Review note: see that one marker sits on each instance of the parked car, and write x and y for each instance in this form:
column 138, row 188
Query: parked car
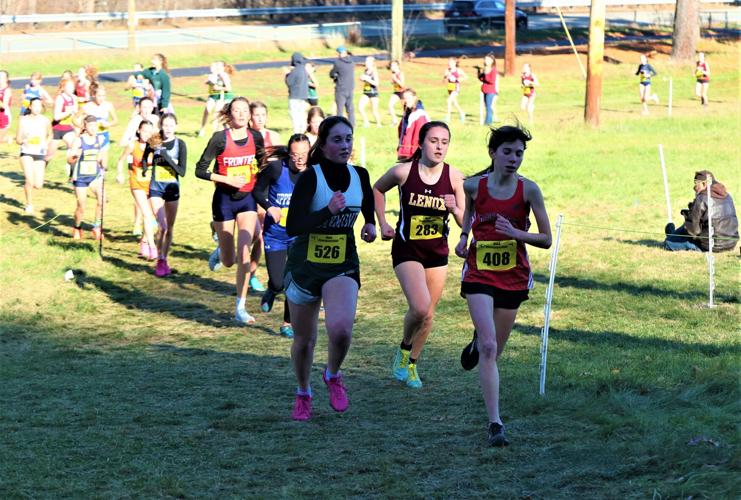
column 479, row 14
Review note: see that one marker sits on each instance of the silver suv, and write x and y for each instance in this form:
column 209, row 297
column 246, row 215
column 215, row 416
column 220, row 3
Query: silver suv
column 479, row 14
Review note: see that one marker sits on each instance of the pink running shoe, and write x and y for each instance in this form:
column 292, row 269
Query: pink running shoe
column 144, row 249
column 301, row 408
column 153, row 253
column 337, row 392
column 160, row 270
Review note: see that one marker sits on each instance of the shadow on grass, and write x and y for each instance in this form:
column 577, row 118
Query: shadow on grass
column 185, row 251
column 134, row 297
column 10, row 201
column 19, row 179
column 181, row 279
column 61, row 227
column 564, row 281
column 19, row 219
column 622, row 340
column 643, row 243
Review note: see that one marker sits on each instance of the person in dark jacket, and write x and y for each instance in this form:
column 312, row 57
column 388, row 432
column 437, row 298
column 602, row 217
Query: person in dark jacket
column 297, row 81
column 693, row 234
column 343, row 74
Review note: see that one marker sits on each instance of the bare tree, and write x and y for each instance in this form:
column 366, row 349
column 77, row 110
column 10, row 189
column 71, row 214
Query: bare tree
column 686, row 30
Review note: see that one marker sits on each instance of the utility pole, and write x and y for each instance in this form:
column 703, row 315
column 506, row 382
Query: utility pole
column 595, row 59
column 131, row 22
column 509, row 37
column 397, row 30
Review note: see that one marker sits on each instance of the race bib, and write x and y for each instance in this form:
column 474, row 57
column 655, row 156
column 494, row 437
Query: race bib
column 88, row 168
column 426, row 227
column 34, row 141
column 164, row 174
column 327, row 248
column 452, row 86
column 89, row 163
column 283, row 216
column 496, row 255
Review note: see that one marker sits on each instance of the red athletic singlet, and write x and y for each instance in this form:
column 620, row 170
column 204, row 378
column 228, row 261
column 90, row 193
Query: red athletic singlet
column 238, row 160
column 267, row 138
column 5, row 115
column 422, row 229
column 65, row 123
column 493, row 258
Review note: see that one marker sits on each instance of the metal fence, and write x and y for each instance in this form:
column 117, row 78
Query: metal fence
column 270, row 11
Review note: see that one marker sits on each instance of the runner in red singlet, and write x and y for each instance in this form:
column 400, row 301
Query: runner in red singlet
column 496, row 274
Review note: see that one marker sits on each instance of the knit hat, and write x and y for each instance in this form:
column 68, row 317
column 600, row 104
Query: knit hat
column 702, row 175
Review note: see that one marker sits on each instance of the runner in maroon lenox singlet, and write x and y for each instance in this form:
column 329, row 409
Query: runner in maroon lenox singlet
column 497, row 275
column 429, row 190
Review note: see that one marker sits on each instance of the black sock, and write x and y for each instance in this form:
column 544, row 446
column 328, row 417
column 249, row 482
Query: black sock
column 412, row 360
column 78, row 227
column 405, row 347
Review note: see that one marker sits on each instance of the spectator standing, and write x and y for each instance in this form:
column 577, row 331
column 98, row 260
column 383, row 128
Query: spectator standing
column 343, row 74
column 297, row 81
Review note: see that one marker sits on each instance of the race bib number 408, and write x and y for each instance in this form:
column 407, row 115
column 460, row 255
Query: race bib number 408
column 496, row 255
column 327, row 248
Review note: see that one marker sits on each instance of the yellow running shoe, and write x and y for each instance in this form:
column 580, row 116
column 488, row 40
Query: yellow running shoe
column 413, row 379
column 401, row 362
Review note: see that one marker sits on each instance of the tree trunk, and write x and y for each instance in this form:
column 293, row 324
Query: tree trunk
column 593, row 96
column 686, row 30
column 397, row 30
column 509, row 37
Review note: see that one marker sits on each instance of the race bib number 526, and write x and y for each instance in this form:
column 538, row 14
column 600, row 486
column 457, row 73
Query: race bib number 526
column 496, row 255
column 327, row 248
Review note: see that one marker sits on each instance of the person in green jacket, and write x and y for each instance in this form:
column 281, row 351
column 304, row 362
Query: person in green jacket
column 159, row 76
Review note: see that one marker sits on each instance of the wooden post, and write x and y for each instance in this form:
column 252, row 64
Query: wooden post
column 509, row 37
column 397, row 30
column 131, row 23
column 595, row 58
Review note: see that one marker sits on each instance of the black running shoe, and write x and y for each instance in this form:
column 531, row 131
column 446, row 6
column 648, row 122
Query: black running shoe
column 495, row 435
column 470, row 354
column 266, row 302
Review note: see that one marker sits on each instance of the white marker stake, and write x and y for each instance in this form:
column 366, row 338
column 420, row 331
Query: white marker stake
column 711, row 257
column 362, row 153
column 671, row 94
column 547, row 310
column 666, row 184
column 481, row 108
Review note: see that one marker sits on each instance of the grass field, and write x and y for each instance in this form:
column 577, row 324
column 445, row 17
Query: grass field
column 121, row 384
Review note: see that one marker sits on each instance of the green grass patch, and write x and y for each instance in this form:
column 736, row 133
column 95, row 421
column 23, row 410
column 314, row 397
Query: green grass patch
column 120, row 384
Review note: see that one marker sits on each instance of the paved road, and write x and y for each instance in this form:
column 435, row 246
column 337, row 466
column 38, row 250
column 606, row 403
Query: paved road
column 46, row 42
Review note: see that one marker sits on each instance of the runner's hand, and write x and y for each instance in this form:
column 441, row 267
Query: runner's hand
column 237, row 182
column 336, row 203
column 504, row 226
column 368, row 233
column 450, row 202
column 461, row 249
column 387, row 231
column 275, row 214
